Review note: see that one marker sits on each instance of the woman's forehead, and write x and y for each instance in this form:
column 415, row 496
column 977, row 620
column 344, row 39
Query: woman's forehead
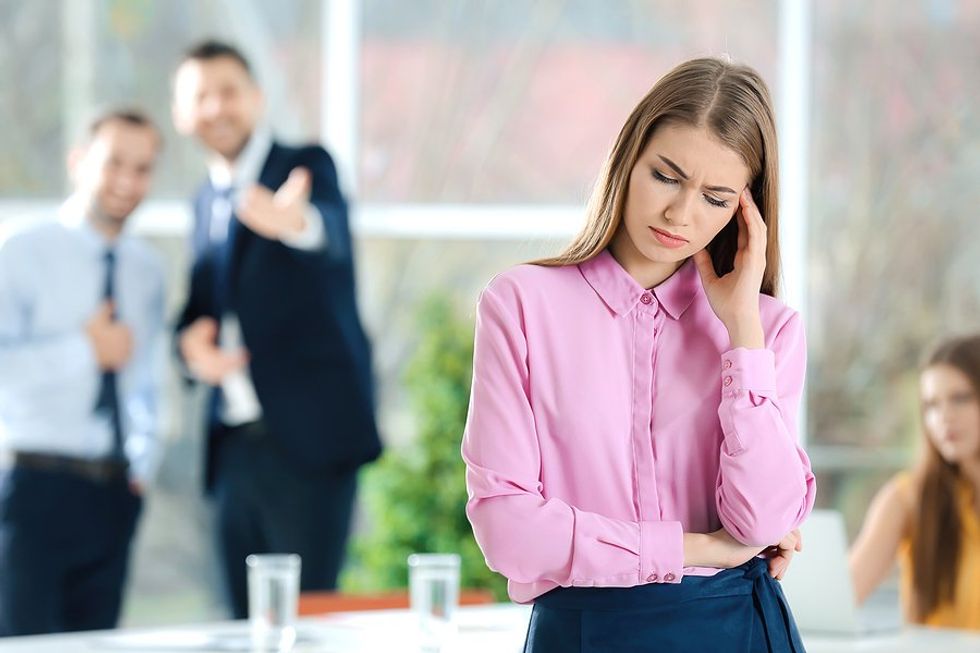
column 943, row 378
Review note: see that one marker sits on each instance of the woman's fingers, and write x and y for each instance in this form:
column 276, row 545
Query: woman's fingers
column 743, row 228
column 781, row 554
column 756, row 226
column 779, row 562
column 788, row 541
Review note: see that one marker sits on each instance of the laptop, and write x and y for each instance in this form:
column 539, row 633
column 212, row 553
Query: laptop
column 818, row 585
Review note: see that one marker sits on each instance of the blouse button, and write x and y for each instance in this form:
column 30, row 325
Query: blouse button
column 669, row 577
column 728, row 381
column 727, row 365
column 652, row 578
column 646, row 298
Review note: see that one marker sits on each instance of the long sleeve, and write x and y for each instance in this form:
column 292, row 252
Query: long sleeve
column 765, row 485
column 327, row 236
column 27, row 359
column 143, row 445
column 523, row 535
column 199, row 303
column 312, row 237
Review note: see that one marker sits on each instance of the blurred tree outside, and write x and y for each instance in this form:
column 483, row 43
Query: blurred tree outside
column 415, row 496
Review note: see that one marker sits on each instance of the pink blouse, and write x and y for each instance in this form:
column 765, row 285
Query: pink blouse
column 607, row 420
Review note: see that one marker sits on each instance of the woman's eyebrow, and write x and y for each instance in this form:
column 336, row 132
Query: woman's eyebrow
column 683, row 175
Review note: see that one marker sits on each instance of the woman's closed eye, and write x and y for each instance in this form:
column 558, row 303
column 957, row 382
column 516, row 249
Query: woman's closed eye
column 963, row 398
column 659, row 176
column 713, row 201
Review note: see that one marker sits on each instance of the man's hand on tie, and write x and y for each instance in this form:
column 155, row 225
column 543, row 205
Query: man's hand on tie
column 111, row 340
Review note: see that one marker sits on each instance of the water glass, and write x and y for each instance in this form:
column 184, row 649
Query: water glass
column 433, row 581
column 273, row 592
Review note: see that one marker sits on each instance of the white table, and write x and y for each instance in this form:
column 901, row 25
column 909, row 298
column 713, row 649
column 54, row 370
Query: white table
column 491, row 629
column 496, row 629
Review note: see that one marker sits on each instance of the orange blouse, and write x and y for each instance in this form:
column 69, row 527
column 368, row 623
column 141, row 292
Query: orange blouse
column 964, row 610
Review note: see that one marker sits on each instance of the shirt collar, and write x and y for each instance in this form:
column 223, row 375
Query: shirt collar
column 248, row 165
column 71, row 215
column 622, row 293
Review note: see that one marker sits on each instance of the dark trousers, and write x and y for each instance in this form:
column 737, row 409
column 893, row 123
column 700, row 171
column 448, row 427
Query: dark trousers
column 265, row 505
column 740, row 610
column 64, row 551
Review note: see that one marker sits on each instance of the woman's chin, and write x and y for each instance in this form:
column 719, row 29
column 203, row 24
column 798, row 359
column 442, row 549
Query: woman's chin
column 663, row 255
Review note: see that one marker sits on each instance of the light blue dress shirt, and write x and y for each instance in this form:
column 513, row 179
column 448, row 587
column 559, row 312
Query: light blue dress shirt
column 52, row 279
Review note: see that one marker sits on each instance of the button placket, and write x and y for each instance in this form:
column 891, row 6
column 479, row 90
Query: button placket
column 645, row 472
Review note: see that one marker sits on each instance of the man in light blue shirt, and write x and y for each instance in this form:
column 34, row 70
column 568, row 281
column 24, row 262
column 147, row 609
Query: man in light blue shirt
column 81, row 329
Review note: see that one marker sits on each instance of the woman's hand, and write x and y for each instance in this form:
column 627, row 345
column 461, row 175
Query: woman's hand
column 734, row 297
column 781, row 553
column 717, row 549
column 722, row 551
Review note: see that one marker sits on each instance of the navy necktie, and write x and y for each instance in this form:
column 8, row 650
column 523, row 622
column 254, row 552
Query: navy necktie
column 108, row 402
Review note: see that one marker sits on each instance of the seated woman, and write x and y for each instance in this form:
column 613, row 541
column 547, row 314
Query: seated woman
column 929, row 518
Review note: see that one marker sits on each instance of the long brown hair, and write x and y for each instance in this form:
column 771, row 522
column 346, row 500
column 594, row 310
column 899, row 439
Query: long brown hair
column 733, row 103
column 935, row 537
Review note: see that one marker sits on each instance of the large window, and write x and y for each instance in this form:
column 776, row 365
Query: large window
column 895, row 158
column 62, row 60
column 518, row 103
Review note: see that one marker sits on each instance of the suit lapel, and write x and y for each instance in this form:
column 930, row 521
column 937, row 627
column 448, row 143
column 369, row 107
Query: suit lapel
column 240, row 237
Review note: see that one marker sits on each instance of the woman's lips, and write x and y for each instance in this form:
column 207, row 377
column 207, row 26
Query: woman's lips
column 668, row 239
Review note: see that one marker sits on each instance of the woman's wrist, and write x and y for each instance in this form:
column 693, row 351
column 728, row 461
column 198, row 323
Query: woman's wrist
column 746, row 331
column 696, row 550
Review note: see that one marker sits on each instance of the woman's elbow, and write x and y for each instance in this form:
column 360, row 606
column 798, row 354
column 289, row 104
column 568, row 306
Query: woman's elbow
column 762, row 527
column 508, row 543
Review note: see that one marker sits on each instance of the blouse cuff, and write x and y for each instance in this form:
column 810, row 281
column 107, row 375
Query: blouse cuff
column 748, row 370
column 312, row 236
column 661, row 552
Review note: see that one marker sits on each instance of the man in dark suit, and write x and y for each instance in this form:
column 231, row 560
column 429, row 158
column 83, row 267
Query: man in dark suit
column 271, row 323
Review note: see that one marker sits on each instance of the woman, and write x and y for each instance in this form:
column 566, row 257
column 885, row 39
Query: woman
column 632, row 422
column 928, row 518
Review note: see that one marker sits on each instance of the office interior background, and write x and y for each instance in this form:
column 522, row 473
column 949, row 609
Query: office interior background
column 468, row 134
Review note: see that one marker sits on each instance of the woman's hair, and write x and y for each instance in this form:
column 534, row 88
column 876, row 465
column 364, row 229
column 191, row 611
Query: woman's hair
column 733, row 103
column 936, row 531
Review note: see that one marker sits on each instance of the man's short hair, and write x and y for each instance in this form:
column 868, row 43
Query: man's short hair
column 125, row 115
column 214, row 49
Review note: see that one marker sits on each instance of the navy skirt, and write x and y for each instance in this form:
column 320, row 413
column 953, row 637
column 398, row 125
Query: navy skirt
column 740, row 610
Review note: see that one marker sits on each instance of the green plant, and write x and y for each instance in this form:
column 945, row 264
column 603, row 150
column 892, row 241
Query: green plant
column 415, row 496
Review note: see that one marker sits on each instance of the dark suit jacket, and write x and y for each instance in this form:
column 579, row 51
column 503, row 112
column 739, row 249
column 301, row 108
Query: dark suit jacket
column 309, row 357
